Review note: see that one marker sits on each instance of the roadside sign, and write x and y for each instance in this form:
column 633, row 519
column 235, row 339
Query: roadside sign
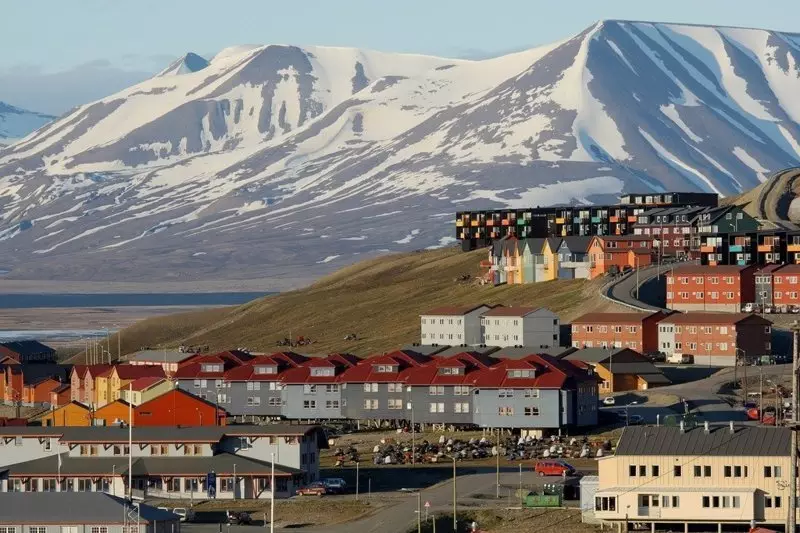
column 427, row 505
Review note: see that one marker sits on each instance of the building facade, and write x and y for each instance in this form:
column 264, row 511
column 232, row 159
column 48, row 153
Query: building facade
column 614, row 254
column 722, row 339
column 453, row 325
column 521, row 326
column 700, row 477
column 637, row 331
column 710, row 288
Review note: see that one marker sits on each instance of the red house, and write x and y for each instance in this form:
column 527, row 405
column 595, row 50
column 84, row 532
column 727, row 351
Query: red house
column 178, row 408
column 710, row 288
column 61, row 395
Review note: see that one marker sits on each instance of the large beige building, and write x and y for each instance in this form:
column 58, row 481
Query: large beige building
column 714, row 476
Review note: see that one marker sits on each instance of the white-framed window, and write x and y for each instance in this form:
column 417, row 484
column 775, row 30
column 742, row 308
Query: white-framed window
column 99, row 529
column 253, row 401
column 436, row 407
column 64, row 529
column 461, row 390
column 309, row 404
column 531, row 393
column 370, row 387
column 461, row 407
column 331, row 388
column 370, row 404
column 37, row 529
column 253, row 385
column 309, row 389
column 505, row 393
column 436, row 390
column 532, row 411
column 331, row 404
column 395, row 404
column 505, row 411
column 274, row 401
column 395, row 387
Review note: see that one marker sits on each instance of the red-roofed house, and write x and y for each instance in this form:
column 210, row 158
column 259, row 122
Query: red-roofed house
column 145, row 389
column 537, row 393
column 313, row 390
column 616, row 252
column 204, row 374
column 179, row 408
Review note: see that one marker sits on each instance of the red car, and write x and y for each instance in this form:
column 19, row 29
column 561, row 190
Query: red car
column 314, row 489
column 553, row 468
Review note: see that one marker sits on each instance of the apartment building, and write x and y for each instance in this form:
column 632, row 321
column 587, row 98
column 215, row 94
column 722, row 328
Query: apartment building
column 720, row 339
column 616, row 253
column 706, row 478
column 786, row 286
column 453, row 325
column 29, row 383
column 619, row 369
column 637, row 331
column 710, row 288
column 27, row 352
column 167, row 462
column 764, row 279
column 672, row 229
column 534, row 327
column 313, row 390
column 481, row 228
column 518, row 261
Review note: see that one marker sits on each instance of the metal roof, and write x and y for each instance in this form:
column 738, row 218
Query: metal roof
column 96, row 508
column 719, row 441
column 155, row 433
column 146, row 466
column 520, row 352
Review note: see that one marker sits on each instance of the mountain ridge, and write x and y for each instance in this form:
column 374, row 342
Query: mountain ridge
column 275, row 158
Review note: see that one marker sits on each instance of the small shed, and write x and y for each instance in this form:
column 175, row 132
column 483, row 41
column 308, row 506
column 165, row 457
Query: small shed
column 589, row 486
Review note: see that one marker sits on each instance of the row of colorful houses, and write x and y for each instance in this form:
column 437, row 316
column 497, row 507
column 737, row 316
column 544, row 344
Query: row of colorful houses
column 518, row 261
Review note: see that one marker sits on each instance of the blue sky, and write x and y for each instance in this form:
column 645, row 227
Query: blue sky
column 57, row 34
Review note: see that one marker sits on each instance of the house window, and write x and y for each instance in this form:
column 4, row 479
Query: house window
column 331, row 404
column 253, row 401
column 531, row 393
column 253, row 385
column 436, row 407
column 99, row 529
column 370, row 404
column 505, row 411
column 226, row 484
column 654, row 470
column 436, row 390
column 48, row 485
column 532, row 411
column 395, row 404
column 309, row 389
column 309, row 404
column 676, row 470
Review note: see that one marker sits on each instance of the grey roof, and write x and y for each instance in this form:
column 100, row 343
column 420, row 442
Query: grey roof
column 425, row 349
column 534, row 245
column 455, row 350
column 577, row 243
column 56, row 508
column 145, row 466
column 554, row 242
column 522, row 352
column 640, row 368
column 593, row 355
column 745, row 441
column 155, row 433
column 26, row 348
column 160, row 356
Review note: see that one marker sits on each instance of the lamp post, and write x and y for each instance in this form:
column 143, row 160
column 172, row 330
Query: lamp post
column 627, row 420
column 410, row 405
column 235, row 482
column 455, row 497
column 272, row 493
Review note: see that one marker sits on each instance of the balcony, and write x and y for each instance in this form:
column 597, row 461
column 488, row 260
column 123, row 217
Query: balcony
column 475, row 223
column 736, row 248
column 490, row 223
column 504, row 222
column 521, row 222
column 708, row 249
column 596, row 220
column 613, row 219
column 793, row 247
column 632, row 218
column 459, row 223
column 767, row 247
column 560, row 220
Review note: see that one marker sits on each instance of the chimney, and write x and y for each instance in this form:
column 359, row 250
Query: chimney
column 705, row 425
column 731, row 428
column 683, row 428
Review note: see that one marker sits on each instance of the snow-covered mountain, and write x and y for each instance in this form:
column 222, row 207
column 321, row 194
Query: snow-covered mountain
column 16, row 123
column 271, row 161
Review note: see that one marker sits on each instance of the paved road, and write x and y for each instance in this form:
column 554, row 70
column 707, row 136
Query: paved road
column 473, row 490
column 773, row 203
column 624, row 290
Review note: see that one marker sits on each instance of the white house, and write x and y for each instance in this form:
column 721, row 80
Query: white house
column 521, row 326
column 453, row 325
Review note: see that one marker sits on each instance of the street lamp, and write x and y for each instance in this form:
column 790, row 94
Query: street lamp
column 410, row 405
column 627, row 416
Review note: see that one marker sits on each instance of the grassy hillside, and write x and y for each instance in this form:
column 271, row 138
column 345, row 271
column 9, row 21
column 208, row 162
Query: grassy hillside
column 380, row 300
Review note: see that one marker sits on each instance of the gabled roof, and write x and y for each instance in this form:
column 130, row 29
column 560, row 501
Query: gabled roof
column 25, row 348
column 59, row 508
column 119, row 402
column 695, row 442
column 511, row 311
column 160, row 356
column 193, row 368
column 302, row 373
column 717, row 270
column 714, row 318
column 550, row 373
column 577, row 243
column 144, row 383
column 788, row 269
column 97, row 370
column 176, row 391
column 612, row 318
column 533, row 245
column 134, row 372
column 454, row 310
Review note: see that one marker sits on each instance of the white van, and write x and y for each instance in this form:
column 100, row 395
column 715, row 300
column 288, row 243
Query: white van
column 679, row 358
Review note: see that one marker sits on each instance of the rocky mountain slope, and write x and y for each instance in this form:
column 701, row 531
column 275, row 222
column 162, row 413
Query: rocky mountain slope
column 16, row 123
column 272, row 160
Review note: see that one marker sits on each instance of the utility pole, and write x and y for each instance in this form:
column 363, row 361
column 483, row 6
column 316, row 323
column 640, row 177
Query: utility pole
column 455, row 520
column 791, row 526
column 419, row 512
column 497, row 470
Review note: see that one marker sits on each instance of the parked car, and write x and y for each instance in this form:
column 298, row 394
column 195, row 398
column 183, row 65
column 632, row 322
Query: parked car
column 553, row 468
column 187, row 515
column 609, row 400
column 679, row 358
column 635, row 420
column 240, row 518
column 313, row 489
column 335, row 485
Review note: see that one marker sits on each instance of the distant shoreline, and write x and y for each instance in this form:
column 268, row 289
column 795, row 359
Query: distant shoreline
column 124, row 299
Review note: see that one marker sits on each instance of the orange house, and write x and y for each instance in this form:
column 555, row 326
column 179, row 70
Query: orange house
column 112, row 414
column 616, row 252
column 61, row 395
column 71, row 414
column 39, row 392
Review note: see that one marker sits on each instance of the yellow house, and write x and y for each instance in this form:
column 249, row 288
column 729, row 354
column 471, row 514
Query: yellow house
column 145, row 389
column 101, row 390
column 550, row 255
column 124, row 375
column 709, row 477
column 71, row 414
